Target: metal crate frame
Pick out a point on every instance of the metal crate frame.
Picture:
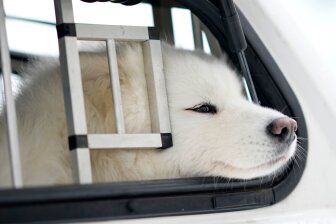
(80, 142)
(9, 102)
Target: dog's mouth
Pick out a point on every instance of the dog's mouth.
(272, 163)
(271, 167)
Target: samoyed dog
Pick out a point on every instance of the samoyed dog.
(216, 131)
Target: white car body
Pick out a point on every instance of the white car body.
(314, 198)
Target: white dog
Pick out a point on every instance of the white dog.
(216, 131)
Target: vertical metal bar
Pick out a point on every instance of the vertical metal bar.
(115, 84)
(12, 133)
(246, 89)
(248, 78)
(156, 86)
(197, 32)
(213, 42)
(236, 40)
(64, 11)
(163, 19)
(73, 92)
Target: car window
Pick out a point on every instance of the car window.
(28, 18)
(158, 197)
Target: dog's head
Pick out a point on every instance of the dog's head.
(216, 131)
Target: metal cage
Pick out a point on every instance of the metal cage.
(79, 140)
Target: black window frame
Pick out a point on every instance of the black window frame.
(175, 196)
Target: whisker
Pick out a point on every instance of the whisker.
(261, 181)
(228, 180)
(203, 180)
(301, 138)
(216, 181)
(274, 175)
(284, 108)
(301, 150)
(299, 143)
(300, 157)
(296, 162)
(296, 118)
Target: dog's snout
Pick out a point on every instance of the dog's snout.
(283, 129)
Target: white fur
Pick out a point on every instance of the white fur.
(231, 143)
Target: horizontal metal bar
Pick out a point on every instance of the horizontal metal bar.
(101, 32)
(112, 141)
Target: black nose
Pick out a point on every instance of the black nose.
(283, 129)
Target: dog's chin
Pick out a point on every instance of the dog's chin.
(272, 167)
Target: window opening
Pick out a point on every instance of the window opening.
(182, 28)
(163, 194)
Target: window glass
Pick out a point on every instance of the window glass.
(35, 19)
(205, 43)
(30, 23)
(183, 34)
(40, 10)
(31, 37)
(187, 28)
(113, 14)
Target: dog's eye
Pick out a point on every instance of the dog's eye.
(204, 108)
